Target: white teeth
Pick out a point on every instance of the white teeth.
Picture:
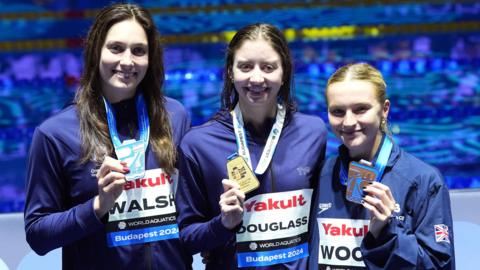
(257, 90)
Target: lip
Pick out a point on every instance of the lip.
(256, 90)
(123, 74)
(349, 133)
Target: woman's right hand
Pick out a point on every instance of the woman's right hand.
(231, 204)
(111, 179)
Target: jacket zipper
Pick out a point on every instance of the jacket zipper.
(272, 174)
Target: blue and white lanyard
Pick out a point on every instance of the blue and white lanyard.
(380, 163)
(272, 140)
(143, 122)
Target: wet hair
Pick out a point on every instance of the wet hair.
(277, 40)
(363, 72)
(96, 142)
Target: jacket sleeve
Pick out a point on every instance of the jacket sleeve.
(49, 223)
(427, 244)
(198, 230)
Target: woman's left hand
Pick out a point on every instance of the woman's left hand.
(380, 202)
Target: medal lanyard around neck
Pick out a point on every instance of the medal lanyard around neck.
(380, 163)
(272, 140)
(143, 122)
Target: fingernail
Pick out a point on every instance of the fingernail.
(124, 163)
(126, 169)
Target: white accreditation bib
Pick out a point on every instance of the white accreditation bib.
(145, 211)
(274, 228)
(340, 241)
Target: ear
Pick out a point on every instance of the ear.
(386, 109)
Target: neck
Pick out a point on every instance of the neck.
(117, 97)
(258, 118)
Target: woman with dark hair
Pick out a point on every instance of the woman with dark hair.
(379, 207)
(101, 173)
(266, 149)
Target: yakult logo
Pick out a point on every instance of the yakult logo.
(272, 204)
(344, 230)
(149, 182)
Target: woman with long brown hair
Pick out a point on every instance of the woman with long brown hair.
(258, 218)
(101, 173)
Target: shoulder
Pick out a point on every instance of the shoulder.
(308, 129)
(417, 171)
(175, 108)
(206, 132)
(308, 122)
(61, 123)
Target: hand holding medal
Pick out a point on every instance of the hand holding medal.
(381, 203)
(231, 204)
(111, 179)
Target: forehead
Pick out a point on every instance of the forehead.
(258, 49)
(351, 92)
(127, 31)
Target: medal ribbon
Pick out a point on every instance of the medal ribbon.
(380, 163)
(272, 140)
(143, 122)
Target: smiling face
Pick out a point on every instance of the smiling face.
(257, 74)
(355, 115)
(123, 60)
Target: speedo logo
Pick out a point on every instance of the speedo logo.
(163, 179)
(271, 204)
(344, 230)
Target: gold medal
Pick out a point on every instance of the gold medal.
(240, 172)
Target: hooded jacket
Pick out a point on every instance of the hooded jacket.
(418, 236)
(60, 191)
(203, 156)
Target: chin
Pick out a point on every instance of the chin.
(353, 144)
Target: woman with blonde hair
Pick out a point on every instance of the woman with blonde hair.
(379, 207)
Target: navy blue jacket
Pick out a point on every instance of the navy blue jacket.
(203, 156)
(419, 235)
(60, 191)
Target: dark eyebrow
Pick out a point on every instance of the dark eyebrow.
(123, 43)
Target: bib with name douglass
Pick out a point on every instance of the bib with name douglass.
(274, 228)
(340, 241)
(145, 211)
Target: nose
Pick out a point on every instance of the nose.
(126, 59)
(257, 76)
(349, 120)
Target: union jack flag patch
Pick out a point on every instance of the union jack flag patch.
(441, 233)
